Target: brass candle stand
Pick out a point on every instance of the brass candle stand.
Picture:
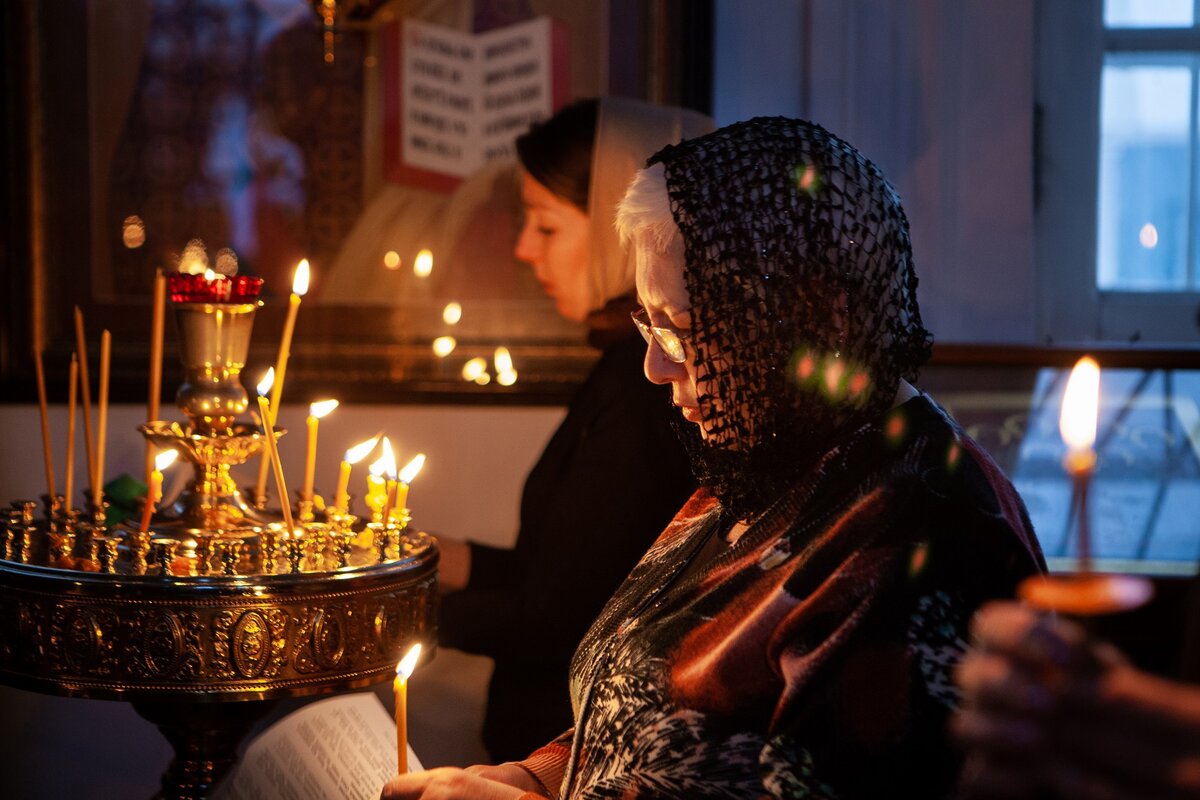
(214, 608)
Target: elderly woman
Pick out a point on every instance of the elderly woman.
(793, 631)
(613, 474)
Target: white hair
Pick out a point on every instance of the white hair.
(644, 221)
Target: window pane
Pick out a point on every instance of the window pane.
(1149, 13)
(1145, 171)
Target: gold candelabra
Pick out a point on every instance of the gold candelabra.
(213, 606)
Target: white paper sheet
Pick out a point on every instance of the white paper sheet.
(342, 747)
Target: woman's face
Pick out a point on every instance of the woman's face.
(555, 243)
(664, 295)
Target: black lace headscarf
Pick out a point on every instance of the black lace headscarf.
(803, 299)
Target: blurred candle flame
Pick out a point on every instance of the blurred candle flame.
(268, 380)
(322, 407)
(300, 281)
(165, 459)
(407, 664)
(474, 369)
(386, 464)
(452, 313)
(423, 264)
(1080, 407)
(361, 450)
(412, 468)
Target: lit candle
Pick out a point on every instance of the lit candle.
(85, 386)
(380, 487)
(404, 671)
(407, 475)
(69, 481)
(1077, 424)
(299, 289)
(102, 419)
(316, 411)
(154, 493)
(44, 413)
(358, 452)
(156, 348)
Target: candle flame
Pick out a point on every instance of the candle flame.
(407, 664)
(412, 468)
(361, 450)
(1080, 406)
(209, 275)
(503, 360)
(268, 380)
(386, 463)
(452, 313)
(423, 264)
(444, 346)
(300, 281)
(474, 368)
(322, 407)
(164, 459)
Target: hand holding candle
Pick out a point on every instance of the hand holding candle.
(154, 492)
(341, 499)
(404, 671)
(316, 411)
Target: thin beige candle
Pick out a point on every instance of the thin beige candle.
(102, 419)
(404, 671)
(156, 349)
(44, 412)
(299, 289)
(273, 456)
(69, 478)
(316, 411)
(86, 389)
(341, 498)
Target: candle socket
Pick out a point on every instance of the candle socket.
(268, 542)
(230, 552)
(164, 555)
(108, 552)
(204, 552)
(139, 547)
(304, 508)
(295, 547)
(343, 544)
(381, 538)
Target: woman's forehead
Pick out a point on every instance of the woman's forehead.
(660, 281)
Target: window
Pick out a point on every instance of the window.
(1118, 219)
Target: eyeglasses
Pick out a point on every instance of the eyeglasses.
(669, 340)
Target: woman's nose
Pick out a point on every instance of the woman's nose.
(659, 368)
(527, 249)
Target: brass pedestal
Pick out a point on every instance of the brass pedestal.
(196, 655)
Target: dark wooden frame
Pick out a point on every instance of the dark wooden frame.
(665, 54)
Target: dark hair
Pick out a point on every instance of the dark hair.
(558, 151)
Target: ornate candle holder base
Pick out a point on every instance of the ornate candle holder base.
(191, 646)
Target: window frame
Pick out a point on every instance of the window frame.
(1070, 49)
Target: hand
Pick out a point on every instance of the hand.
(503, 782)
(454, 564)
(1046, 710)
